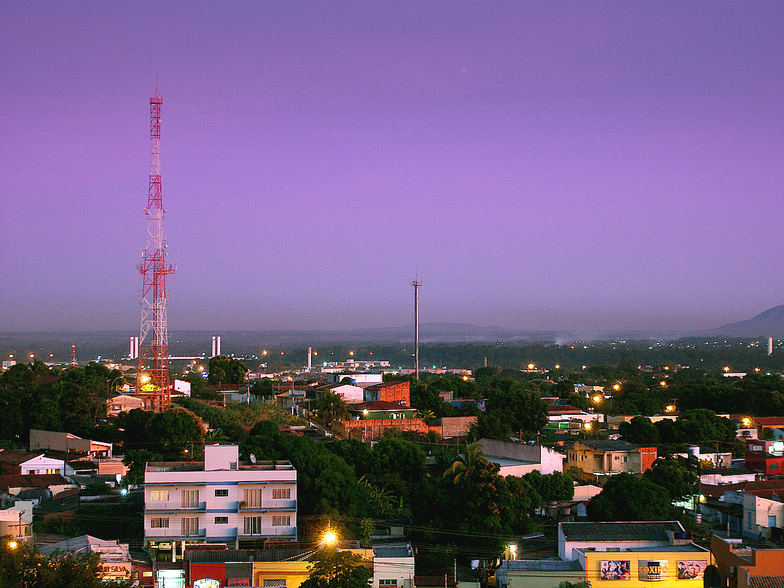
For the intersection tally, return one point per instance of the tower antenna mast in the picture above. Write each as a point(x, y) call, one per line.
point(153, 375)
point(416, 283)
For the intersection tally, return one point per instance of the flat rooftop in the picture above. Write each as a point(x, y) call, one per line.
point(198, 466)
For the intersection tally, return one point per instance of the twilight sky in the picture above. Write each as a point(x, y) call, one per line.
point(540, 165)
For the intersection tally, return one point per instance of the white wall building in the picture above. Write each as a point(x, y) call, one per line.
point(219, 500)
point(518, 459)
point(393, 566)
point(350, 394)
point(46, 465)
point(762, 510)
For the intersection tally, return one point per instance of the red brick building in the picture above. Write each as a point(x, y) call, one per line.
point(397, 392)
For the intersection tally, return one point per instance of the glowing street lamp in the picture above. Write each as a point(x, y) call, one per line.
point(330, 538)
point(513, 550)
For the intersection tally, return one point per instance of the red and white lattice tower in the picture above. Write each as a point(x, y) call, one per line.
point(153, 379)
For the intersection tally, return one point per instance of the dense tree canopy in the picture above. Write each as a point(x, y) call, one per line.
point(330, 568)
point(226, 370)
point(21, 566)
point(627, 498)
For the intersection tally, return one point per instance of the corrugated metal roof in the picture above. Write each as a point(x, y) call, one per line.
point(542, 565)
point(624, 531)
point(767, 581)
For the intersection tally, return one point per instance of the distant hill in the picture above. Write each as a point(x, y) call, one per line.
point(767, 324)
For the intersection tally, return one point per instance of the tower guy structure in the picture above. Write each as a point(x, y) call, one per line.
point(153, 376)
point(416, 283)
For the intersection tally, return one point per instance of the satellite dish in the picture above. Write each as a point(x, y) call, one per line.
point(252, 459)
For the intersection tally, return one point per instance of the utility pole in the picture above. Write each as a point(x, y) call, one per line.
point(416, 283)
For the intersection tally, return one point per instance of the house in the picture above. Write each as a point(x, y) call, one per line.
point(608, 457)
point(763, 511)
point(371, 419)
point(742, 565)
point(768, 425)
point(601, 554)
point(721, 476)
point(67, 443)
point(349, 393)
point(393, 566)
point(21, 462)
point(114, 556)
point(123, 403)
point(518, 459)
point(538, 573)
point(394, 392)
point(764, 456)
point(219, 500)
point(613, 537)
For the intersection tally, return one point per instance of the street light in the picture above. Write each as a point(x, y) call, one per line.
point(329, 538)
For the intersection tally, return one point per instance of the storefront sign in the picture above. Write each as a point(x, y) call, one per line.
point(237, 581)
point(652, 571)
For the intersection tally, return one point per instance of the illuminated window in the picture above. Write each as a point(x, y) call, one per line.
point(278, 493)
point(159, 495)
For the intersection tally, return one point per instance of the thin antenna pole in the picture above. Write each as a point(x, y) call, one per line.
point(416, 283)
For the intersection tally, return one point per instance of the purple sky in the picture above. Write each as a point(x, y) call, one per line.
point(540, 165)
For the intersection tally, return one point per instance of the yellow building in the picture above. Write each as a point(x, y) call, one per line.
point(280, 573)
point(677, 567)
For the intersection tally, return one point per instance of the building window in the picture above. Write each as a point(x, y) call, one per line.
point(189, 526)
point(281, 493)
point(159, 523)
point(221, 520)
point(159, 495)
point(774, 466)
point(222, 492)
point(252, 497)
point(274, 582)
point(771, 520)
point(625, 459)
point(189, 498)
point(52, 471)
point(281, 520)
point(252, 526)
point(387, 583)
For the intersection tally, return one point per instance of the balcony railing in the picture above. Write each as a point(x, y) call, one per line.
point(266, 505)
point(173, 505)
point(269, 532)
point(175, 531)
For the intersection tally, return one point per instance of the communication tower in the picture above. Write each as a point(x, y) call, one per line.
point(153, 383)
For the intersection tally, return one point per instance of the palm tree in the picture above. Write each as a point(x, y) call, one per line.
point(331, 407)
point(426, 414)
point(466, 462)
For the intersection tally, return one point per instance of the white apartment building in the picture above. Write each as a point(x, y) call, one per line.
point(219, 500)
